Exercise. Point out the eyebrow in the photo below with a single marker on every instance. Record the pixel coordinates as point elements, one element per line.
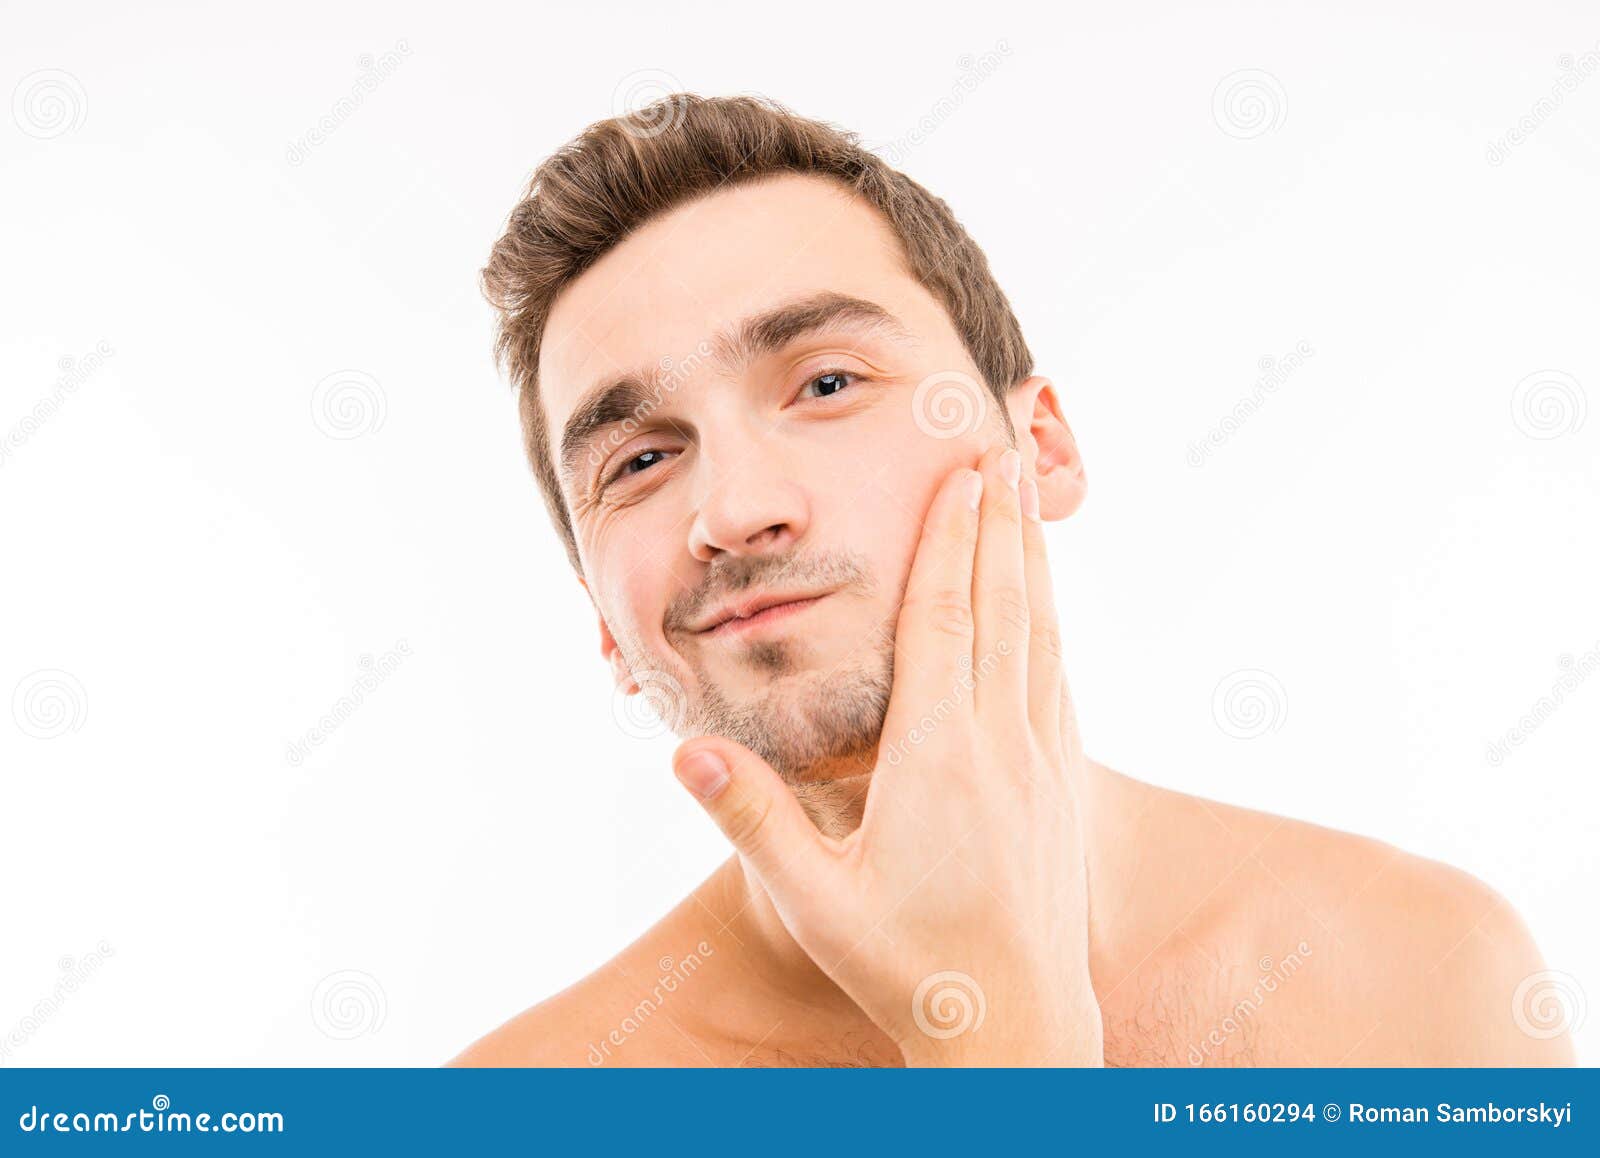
<point>631,394</point>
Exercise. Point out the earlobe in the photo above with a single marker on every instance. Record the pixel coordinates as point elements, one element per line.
<point>1049,448</point>
<point>609,651</point>
<point>620,675</point>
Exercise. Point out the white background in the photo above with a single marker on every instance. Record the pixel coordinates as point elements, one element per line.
<point>1389,537</point>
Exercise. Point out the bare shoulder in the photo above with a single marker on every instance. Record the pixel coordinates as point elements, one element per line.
<point>1340,949</point>
<point>547,1034</point>
<point>601,1021</point>
<point>647,1006</point>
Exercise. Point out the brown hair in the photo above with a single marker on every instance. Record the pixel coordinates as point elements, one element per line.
<point>620,173</point>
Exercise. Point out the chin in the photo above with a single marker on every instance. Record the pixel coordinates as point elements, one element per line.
<point>810,725</point>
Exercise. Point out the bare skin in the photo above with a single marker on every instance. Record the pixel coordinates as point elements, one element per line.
<point>1167,978</point>
<point>974,893</point>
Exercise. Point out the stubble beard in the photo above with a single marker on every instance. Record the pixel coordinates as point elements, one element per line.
<point>819,729</point>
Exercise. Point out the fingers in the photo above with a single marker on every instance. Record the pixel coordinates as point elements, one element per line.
<point>933,635</point>
<point>1044,631</point>
<point>756,812</point>
<point>1000,602</point>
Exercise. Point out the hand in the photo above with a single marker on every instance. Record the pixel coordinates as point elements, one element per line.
<point>955,915</point>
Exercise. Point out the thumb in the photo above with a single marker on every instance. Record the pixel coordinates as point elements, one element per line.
<point>751,804</point>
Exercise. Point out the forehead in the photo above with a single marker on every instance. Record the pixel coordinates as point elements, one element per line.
<point>686,275</point>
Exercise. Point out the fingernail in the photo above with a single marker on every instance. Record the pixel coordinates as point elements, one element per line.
<point>1030,499</point>
<point>1011,467</point>
<point>704,774</point>
<point>974,489</point>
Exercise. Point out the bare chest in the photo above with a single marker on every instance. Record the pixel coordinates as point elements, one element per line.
<point>1183,1015</point>
<point>1198,1012</point>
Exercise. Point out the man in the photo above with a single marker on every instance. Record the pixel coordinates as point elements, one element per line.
<point>788,426</point>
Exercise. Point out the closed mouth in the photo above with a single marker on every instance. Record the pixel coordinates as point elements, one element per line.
<point>759,614</point>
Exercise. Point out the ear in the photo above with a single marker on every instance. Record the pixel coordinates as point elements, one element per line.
<point>1049,452</point>
<point>609,651</point>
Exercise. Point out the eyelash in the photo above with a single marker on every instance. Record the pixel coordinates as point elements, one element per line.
<point>851,377</point>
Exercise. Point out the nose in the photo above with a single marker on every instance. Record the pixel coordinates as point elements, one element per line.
<point>751,504</point>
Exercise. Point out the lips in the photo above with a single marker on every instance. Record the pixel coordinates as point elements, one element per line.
<point>757,610</point>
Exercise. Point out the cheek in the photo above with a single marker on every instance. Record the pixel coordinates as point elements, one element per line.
<point>884,507</point>
<point>633,555</point>
<point>890,527</point>
<point>631,593</point>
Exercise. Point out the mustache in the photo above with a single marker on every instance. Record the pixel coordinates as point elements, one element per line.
<point>835,569</point>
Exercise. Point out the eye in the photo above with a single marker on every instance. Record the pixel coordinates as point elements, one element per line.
<point>830,383</point>
<point>638,464</point>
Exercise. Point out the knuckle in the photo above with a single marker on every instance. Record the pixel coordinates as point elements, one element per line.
<point>1047,640</point>
<point>744,820</point>
<point>1011,605</point>
<point>958,534</point>
<point>952,620</point>
<point>947,611</point>
<point>946,543</point>
<point>1008,512</point>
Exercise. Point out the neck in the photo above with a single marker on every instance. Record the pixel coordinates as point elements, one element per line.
<point>778,966</point>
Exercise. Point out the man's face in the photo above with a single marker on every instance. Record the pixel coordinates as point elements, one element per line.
<point>799,397</point>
